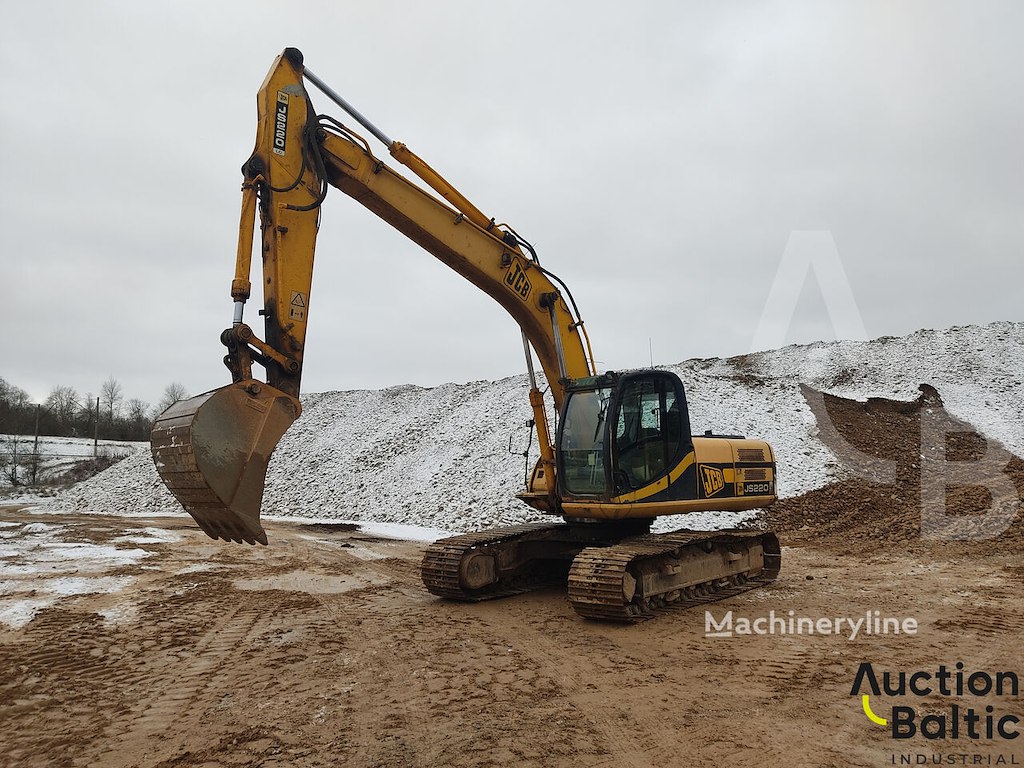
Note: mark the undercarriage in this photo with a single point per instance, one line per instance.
(615, 571)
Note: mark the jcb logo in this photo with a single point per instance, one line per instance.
(517, 280)
(713, 480)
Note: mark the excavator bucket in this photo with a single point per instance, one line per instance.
(212, 452)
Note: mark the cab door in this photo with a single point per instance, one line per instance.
(650, 430)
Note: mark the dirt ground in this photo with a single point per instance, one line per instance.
(323, 649)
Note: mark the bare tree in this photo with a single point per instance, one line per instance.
(13, 403)
(174, 392)
(87, 407)
(14, 396)
(138, 410)
(111, 395)
(63, 404)
(15, 454)
(138, 421)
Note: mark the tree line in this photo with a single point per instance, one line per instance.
(66, 413)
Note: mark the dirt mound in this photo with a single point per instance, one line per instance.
(918, 475)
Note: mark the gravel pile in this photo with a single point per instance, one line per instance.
(922, 477)
(440, 456)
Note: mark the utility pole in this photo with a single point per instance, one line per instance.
(96, 432)
(35, 449)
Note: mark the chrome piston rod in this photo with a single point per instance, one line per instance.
(355, 113)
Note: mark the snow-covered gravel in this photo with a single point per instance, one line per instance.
(440, 457)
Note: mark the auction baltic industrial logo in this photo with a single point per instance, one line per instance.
(963, 717)
(974, 704)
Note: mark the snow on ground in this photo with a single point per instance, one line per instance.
(56, 456)
(44, 562)
(80, 447)
(38, 567)
(440, 457)
(400, 531)
(23, 499)
(148, 536)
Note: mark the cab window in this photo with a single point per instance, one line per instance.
(582, 441)
(650, 426)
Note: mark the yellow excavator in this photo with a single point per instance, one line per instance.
(622, 452)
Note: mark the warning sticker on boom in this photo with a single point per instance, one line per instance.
(297, 308)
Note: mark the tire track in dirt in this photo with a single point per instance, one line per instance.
(64, 679)
(432, 666)
(984, 622)
(181, 687)
(775, 677)
(199, 673)
(566, 649)
(646, 704)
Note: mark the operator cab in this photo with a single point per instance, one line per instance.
(621, 432)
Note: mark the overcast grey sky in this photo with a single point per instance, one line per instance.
(657, 154)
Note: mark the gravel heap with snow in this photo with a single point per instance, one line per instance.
(439, 457)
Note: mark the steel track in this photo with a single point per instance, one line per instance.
(597, 576)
